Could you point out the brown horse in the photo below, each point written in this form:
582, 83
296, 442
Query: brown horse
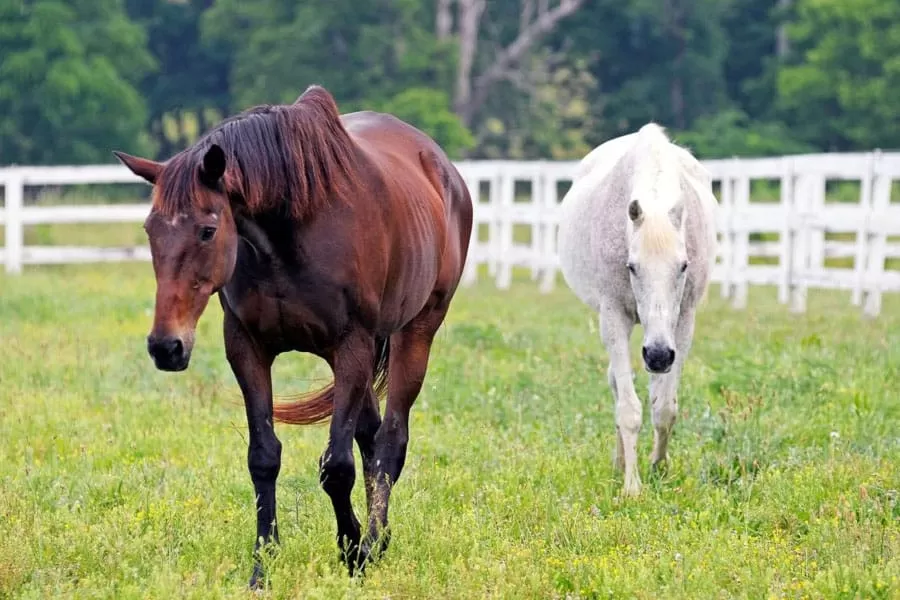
340, 236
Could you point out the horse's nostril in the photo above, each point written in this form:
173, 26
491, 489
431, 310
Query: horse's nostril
658, 358
168, 347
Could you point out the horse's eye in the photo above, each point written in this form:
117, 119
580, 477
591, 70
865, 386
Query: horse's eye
631, 267
684, 266
207, 233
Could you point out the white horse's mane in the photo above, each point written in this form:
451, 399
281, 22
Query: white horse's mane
656, 185
657, 236
656, 171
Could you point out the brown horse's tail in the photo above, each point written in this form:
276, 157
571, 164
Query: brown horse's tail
317, 406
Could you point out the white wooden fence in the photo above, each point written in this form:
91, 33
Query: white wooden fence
523, 196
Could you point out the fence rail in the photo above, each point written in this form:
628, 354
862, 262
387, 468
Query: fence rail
516, 214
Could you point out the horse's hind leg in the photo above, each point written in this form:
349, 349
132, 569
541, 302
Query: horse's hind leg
366, 427
664, 392
410, 349
352, 367
616, 328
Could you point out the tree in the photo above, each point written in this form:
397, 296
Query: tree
652, 60
732, 133
840, 87
752, 28
68, 81
542, 113
535, 22
190, 90
379, 55
520, 94
429, 110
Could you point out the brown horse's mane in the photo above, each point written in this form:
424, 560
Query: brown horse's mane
296, 158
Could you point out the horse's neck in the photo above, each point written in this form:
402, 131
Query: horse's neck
268, 240
254, 234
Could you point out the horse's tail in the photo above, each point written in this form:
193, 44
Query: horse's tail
317, 406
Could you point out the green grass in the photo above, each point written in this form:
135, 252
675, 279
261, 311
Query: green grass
118, 481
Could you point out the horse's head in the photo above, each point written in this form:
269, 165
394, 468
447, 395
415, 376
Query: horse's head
657, 263
193, 243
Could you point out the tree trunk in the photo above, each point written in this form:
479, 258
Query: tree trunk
535, 22
469, 19
443, 24
782, 44
675, 13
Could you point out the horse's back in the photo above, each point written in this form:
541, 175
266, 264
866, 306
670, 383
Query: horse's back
604, 154
699, 182
591, 236
427, 202
393, 144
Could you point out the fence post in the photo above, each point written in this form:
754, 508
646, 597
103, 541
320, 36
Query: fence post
800, 232
15, 193
495, 192
727, 245
862, 233
504, 258
741, 246
549, 211
881, 200
537, 224
470, 270
816, 206
785, 236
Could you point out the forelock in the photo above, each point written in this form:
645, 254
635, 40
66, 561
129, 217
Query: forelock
657, 237
179, 190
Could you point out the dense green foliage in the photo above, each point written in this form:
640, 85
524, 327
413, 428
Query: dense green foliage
69, 77
729, 77
119, 481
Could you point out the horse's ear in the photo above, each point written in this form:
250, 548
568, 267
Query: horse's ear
142, 167
213, 167
676, 214
635, 212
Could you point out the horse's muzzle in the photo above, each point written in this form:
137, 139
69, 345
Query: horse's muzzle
658, 358
168, 353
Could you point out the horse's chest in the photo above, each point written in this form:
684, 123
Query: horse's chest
290, 319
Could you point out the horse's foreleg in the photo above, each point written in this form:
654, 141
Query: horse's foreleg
352, 367
252, 369
409, 352
619, 458
664, 407
616, 328
664, 392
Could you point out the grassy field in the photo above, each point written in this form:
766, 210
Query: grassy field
118, 481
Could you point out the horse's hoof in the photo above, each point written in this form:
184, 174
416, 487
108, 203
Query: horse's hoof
257, 580
364, 558
368, 553
631, 489
350, 557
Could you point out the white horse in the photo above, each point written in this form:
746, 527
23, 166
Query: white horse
637, 242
